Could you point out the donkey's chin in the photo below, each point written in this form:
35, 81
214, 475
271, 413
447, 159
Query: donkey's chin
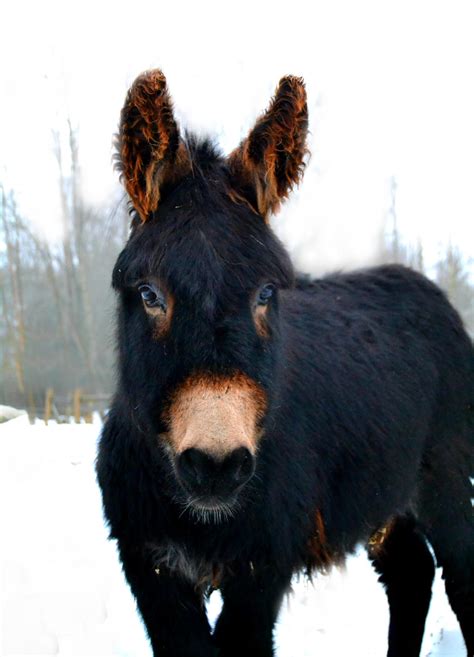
212, 510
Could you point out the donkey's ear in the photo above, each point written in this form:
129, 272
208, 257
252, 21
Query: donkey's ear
150, 151
270, 161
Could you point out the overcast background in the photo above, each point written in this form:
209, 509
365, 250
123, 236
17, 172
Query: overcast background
390, 87
391, 100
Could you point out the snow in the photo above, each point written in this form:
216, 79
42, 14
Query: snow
64, 592
8, 413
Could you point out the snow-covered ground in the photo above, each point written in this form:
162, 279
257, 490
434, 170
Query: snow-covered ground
64, 593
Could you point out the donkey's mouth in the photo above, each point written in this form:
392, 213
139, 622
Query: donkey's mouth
211, 510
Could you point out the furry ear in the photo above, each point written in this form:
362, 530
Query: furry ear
270, 161
150, 151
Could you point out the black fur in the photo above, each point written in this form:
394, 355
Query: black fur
370, 384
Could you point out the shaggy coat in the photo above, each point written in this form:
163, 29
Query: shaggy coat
264, 423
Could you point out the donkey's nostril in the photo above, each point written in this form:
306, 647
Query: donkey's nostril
192, 466
240, 465
205, 475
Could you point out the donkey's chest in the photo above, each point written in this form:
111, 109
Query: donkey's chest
180, 561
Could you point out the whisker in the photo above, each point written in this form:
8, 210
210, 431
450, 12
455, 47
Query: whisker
209, 514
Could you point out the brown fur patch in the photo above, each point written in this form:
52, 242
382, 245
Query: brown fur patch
215, 414
321, 557
271, 158
260, 319
376, 541
149, 149
161, 318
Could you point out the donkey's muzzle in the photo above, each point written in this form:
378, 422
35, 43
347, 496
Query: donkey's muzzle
203, 475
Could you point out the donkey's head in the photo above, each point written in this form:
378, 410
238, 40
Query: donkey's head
199, 281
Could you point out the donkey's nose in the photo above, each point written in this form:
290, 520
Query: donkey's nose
204, 475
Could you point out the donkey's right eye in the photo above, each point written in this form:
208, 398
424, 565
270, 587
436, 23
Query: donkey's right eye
152, 297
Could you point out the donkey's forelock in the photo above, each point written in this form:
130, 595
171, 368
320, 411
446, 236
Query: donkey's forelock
152, 155
201, 240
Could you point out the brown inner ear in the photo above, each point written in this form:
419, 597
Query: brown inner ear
270, 161
150, 151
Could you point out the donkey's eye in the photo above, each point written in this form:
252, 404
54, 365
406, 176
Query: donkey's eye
264, 294
152, 297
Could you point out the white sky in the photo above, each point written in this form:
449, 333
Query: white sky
390, 89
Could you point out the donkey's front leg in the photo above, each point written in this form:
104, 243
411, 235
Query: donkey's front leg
252, 599
172, 610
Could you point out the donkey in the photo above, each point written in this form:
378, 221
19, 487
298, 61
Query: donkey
264, 423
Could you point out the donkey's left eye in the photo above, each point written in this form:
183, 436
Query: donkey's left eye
265, 293
152, 297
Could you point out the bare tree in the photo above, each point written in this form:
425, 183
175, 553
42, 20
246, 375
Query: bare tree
13, 307
75, 219
452, 274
